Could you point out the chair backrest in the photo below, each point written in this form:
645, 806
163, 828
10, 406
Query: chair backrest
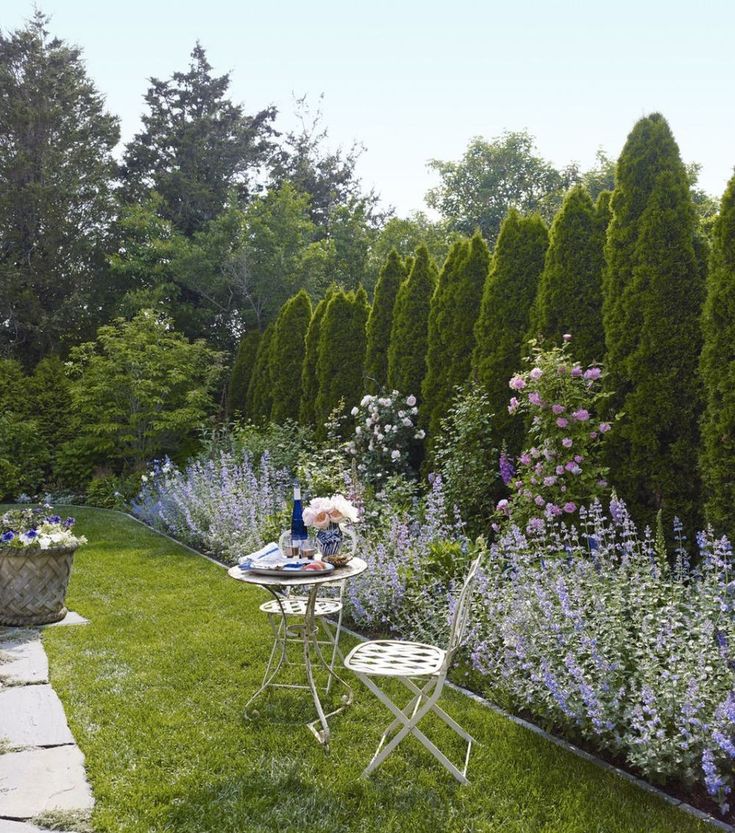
462, 611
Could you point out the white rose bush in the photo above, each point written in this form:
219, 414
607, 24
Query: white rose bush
386, 437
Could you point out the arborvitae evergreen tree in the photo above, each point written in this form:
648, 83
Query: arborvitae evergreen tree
50, 396
718, 372
381, 319
569, 298
454, 309
649, 150
655, 291
409, 334
341, 360
287, 356
510, 289
309, 379
242, 371
259, 399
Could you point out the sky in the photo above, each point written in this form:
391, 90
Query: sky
413, 81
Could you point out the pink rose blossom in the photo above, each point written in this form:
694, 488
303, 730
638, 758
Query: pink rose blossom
517, 383
567, 336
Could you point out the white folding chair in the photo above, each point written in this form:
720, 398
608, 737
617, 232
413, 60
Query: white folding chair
423, 671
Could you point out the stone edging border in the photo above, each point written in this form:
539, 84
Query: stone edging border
532, 727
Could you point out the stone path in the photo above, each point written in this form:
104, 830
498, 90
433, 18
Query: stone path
41, 768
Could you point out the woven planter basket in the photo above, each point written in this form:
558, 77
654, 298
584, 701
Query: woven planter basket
33, 585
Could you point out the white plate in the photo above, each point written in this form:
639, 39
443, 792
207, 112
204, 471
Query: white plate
282, 572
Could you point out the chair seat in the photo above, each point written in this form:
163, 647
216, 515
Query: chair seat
297, 607
387, 658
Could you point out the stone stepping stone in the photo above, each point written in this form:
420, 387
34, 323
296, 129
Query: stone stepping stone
8, 826
23, 660
32, 715
39, 780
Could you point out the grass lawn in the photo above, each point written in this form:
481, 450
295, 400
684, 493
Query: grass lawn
154, 688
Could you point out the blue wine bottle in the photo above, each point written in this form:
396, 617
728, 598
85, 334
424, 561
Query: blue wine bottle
299, 535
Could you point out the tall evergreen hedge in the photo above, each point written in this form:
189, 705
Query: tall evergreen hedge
380, 321
718, 372
409, 334
454, 309
652, 311
259, 400
287, 356
309, 379
502, 324
341, 360
242, 371
569, 298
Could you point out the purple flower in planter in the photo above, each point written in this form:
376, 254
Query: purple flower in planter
7, 537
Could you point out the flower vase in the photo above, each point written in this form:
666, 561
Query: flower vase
329, 540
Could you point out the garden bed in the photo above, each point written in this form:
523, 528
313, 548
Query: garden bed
154, 687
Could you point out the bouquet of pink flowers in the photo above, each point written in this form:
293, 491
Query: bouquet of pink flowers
323, 512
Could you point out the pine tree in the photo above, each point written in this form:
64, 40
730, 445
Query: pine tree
242, 372
381, 319
569, 298
410, 330
56, 194
259, 400
454, 309
509, 292
196, 146
655, 291
287, 356
341, 359
718, 373
309, 379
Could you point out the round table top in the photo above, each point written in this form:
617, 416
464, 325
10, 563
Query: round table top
350, 570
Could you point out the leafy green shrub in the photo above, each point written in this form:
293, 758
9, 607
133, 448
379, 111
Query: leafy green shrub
24, 457
285, 443
466, 458
112, 491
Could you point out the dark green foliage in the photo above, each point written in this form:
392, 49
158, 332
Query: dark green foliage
466, 459
56, 200
718, 373
259, 400
196, 146
454, 309
649, 150
380, 321
50, 391
341, 360
409, 334
510, 289
309, 378
287, 356
655, 292
242, 372
569, 298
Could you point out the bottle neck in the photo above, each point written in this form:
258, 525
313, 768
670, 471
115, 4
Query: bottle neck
297, 492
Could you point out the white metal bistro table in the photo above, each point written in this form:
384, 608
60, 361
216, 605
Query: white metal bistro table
278, 586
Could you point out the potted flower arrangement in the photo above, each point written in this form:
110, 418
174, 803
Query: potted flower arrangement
36, 552
331, 516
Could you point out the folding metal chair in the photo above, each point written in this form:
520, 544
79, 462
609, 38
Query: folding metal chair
423, 671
